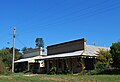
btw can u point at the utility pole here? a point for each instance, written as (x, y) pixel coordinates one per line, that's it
(14, 35)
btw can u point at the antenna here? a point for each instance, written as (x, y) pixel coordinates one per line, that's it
(94, 43)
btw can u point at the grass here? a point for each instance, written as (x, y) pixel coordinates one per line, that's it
(58, 78)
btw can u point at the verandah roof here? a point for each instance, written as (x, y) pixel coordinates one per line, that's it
(76, 53)
(30, 60)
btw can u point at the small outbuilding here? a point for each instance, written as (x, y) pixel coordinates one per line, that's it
(29, 63)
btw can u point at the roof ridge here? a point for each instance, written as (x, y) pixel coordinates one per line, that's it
(97, 46)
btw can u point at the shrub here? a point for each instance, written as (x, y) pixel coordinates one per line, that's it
(2, 67)
(100, 66)
(53, 70)
(115, 51)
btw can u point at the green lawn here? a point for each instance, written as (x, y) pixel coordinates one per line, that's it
(58, 78)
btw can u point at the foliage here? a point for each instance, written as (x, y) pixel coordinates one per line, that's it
(6, 57)
(115, 51)
(68, 71)
(2, 67)
(100, 66)
(82, 67)
(104, 56)
(39, 42)
(25, 49)
(104, 60)
(53, 70)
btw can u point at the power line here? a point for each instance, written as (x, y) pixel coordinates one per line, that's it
(20, 42)
(95, 12)
(78, 11)
(56, 10)
(61, 20)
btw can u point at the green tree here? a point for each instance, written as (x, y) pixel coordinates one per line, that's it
(2, 67)
(39, 42)
(18, 54)
(115, 51)
(104, 59)
(6, 56)
(24, 50)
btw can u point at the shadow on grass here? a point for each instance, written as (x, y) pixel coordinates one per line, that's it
(104, 72)
(110, 71)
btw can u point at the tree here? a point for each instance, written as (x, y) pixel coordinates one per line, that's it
(25, 49)
(2, 67)
(115, 51)
(39, 42)
(6, 56)
(18, 54)
(104, 56)
(104, 59)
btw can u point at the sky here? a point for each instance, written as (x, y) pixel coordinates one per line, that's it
(58, 21)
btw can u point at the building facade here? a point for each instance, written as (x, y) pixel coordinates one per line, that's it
(72, 56)
(28, 63)
(68, 57)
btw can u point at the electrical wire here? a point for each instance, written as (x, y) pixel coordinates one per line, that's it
(97, 11)
(78, 11)
(20, 42)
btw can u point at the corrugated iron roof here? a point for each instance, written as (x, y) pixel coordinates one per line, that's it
(93, 50)
(30, 60)
(90, 51)
(76, 53)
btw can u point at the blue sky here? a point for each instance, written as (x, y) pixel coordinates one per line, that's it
(59, 21)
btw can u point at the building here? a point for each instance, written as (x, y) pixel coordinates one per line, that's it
(28, 63)
(73, 56)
